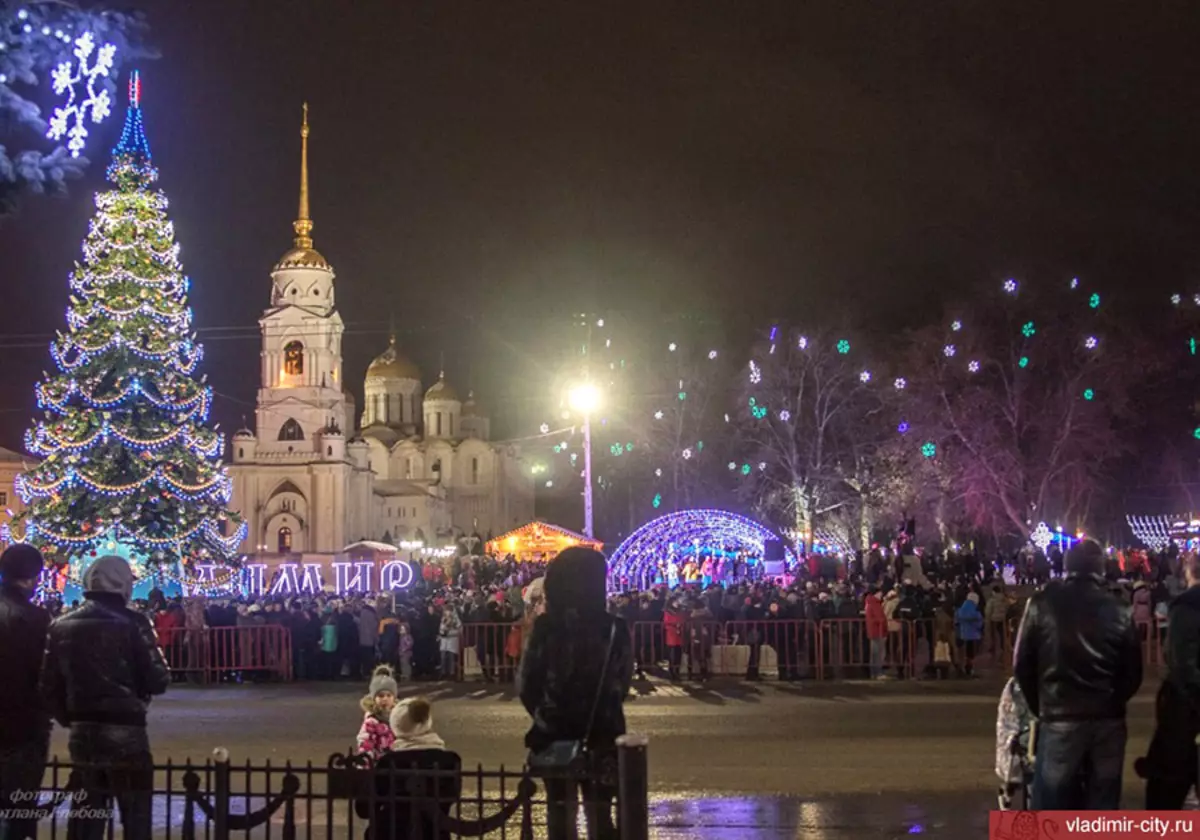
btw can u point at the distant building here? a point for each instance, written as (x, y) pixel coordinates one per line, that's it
(422, 468)
(12, 464)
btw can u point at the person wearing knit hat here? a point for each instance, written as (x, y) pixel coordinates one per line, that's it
(375, 735)
(412, 724)
(24, 720)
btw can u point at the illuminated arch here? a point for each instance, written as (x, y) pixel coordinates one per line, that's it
(680, 534)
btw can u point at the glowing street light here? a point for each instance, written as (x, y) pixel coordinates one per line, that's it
(585, 399)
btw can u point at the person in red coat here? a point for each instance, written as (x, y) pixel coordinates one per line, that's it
(673, 621)
(877, 631)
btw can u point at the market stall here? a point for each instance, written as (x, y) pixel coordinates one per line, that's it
(538, 541)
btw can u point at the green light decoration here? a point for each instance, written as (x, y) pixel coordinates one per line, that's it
(699, 446)
(759, 412)
(628, 447)
(1028, 330)
(557, 448)
(843, 347)
(1196, 433)
(1089, 394)
(616, 449)
(1094, 301)
(746, 467)
(682, 396)
(1192, 345)
(929, 449)
(1023, 362)
(657, 500)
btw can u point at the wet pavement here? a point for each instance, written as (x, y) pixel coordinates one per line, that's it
(734, 761)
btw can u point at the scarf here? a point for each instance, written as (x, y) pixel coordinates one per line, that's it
(424, 741)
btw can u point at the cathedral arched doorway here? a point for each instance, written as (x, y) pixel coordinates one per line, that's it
(284, 540)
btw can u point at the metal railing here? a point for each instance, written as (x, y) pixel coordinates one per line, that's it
(212, 653)
(429, 797)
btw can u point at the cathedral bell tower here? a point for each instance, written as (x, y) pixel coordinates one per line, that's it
(301, 397)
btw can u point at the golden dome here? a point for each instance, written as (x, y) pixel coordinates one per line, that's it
(441, 390)
(391, 364)
(303, 258)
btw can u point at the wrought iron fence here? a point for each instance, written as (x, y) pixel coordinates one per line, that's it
(424, 798)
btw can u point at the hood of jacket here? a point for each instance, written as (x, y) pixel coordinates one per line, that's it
(110, 575)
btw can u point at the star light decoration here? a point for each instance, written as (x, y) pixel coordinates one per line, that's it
(78, 81)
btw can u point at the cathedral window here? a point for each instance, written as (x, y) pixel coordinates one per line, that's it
(291, 430)
(241, 453)
(474, 470)
(439, 424)
(284, 542)
(408, 467)
(293, 358)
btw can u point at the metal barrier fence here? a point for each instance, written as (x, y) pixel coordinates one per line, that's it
(215, 652)
(343, 799)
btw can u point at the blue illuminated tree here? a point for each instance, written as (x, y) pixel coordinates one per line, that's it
(127, 455)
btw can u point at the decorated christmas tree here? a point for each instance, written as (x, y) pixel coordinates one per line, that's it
(128, 464)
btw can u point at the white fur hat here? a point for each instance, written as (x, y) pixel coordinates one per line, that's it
(412, 716)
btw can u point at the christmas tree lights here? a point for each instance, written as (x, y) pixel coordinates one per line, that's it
(126, 455)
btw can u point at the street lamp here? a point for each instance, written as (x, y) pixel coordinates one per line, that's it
(585, 399)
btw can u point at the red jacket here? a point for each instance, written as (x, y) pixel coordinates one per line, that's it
(877, 626)
(673, 628)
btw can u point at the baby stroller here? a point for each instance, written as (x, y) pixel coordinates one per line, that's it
(1015, 738)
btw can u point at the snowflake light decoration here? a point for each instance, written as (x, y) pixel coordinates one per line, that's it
(545, 428)
(929, 449)
(762, 466)
(712, 354)
(903, 427)
(682, 396)
(949, 350)
(1196, 433)
(1023, 362)
(1028, 329)
(785, 415)
(658, 472)
(550, 483)
(1091, 342)
(732, 466)
(672, 347)
(746, 467)
(1176, 299)
(901, 383)
(1089, 394)
(864, 377)
(956, 326)
(657, 502)
(1041, 536)
(687, 454)
(658, 415)
(802, 343)
(843, 346)
(755, 373)
(1010, 286)
(1196, 299)
(1074, 282)
(973, 366)
(75, 80)
(1094, 301)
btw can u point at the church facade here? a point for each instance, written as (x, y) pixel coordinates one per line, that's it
(310, 480)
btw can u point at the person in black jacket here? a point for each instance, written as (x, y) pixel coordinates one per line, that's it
(1078, 662)
(1170, 767)
(102, 666)
(562, 683)
(24, 722)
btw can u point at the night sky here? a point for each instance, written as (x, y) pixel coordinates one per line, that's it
(483, 169)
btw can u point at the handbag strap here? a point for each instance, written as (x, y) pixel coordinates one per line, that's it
(612, 636)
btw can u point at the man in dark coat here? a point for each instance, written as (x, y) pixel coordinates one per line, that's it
(1170, 767)
(1078, 662)
(102, 666)
(579, 660)
(24, 721)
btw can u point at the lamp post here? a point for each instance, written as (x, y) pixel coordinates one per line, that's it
(585, 398)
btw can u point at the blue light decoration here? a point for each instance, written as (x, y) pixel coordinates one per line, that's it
(1094, 301)
(78, 81)
(124, 396)
(929, 449)
(843, 346)
(640, 560)
(903, 427)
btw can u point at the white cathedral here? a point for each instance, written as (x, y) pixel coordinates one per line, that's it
(308, 481)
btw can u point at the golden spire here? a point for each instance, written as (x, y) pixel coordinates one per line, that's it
(303, 224)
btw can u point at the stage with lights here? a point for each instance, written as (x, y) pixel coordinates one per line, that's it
(658, 553)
